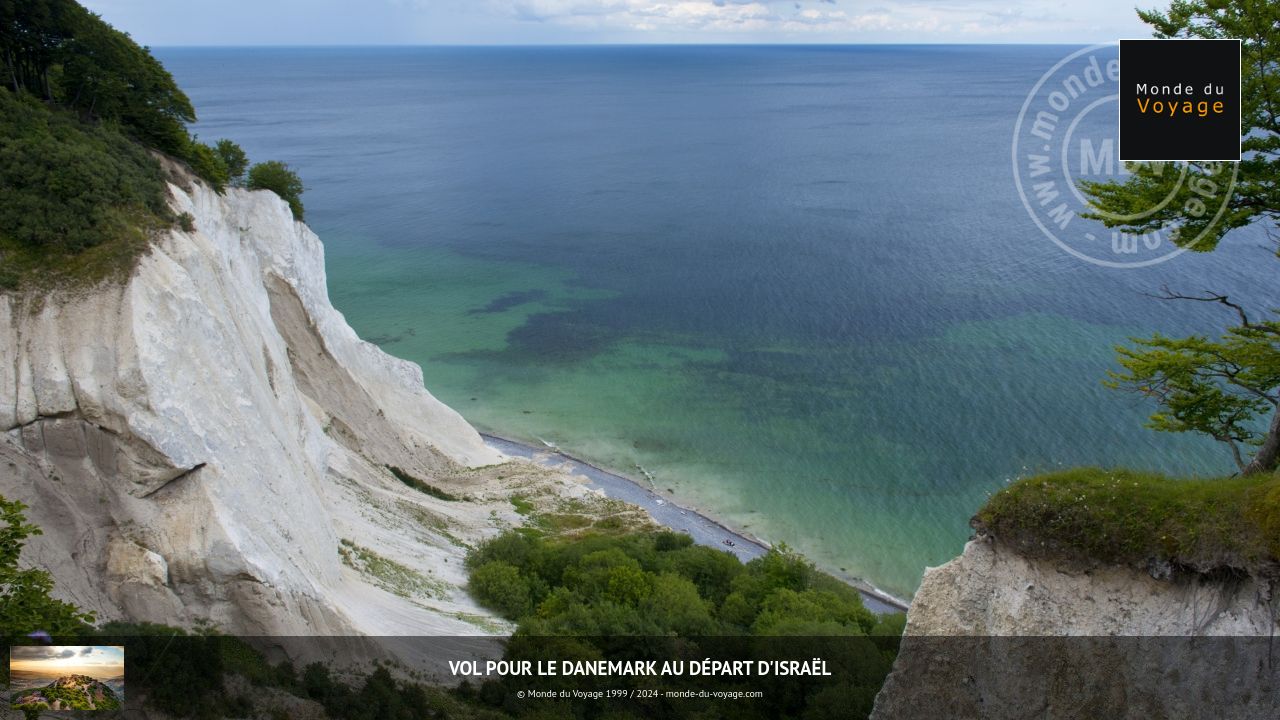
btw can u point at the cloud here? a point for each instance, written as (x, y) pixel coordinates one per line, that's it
(678, 15)
(76, 655)
(923, 18)
(43, 653)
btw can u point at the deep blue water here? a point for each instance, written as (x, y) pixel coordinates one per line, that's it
(796, 284)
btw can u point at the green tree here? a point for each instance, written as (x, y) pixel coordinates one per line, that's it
(234, 159)
(276, 176)
(25, 602)
(1225, 388)
(674, 603)
(500, 586)
(812, 613)
(32, 32)
(1256, 194)
(70, 57)
(208, 164)
(710, 569)
(68, 186)
(1220, 388)
(106, 75)
(627, 585)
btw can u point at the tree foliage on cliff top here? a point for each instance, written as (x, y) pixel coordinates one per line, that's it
(60, 52)
(69, 187)
(277, 177)
(1229, 388)
(1089, 516)
(81, 106)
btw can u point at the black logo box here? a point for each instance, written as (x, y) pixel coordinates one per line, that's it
(1186, 68)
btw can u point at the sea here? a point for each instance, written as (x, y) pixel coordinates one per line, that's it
(795, 285)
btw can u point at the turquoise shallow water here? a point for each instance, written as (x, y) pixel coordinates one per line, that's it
(786, 281)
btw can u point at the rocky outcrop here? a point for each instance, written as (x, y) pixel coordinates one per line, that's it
(198, 441)
(994, 634)
(70, 692)
(990, 590)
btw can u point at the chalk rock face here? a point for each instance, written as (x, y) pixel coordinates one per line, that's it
(994, 634)
(198, 441)
(990, 590)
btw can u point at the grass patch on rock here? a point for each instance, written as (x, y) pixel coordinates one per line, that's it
(522, 505)
(1163, 525)
(391, 575)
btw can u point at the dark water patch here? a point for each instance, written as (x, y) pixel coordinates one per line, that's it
(381, 340)
(510, 300)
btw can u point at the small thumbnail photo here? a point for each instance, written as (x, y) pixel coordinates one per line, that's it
(66, 677)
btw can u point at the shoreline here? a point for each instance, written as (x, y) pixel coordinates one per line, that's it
(703, 528)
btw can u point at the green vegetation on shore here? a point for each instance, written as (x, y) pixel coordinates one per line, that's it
(690, 603)
(655, 583)
(656, 594)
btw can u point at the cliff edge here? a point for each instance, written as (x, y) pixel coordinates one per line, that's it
(995, 634)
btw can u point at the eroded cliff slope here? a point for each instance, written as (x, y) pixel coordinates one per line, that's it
(208, 441)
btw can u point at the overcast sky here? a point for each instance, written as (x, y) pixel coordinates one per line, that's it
(410, 22)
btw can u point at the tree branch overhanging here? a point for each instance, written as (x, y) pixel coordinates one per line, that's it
(1209, 296)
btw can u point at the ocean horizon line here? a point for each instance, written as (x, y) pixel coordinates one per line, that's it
(570, 45)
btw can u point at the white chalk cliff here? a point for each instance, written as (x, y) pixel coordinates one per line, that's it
(993, 590)
(208, 441)
(995, 634)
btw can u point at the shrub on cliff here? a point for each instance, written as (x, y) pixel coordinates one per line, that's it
(276, 176)
(208, 164)
(233, 159)
(67, 188)
(67, 185)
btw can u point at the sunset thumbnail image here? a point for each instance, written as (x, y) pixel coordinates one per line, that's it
(66, 677)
